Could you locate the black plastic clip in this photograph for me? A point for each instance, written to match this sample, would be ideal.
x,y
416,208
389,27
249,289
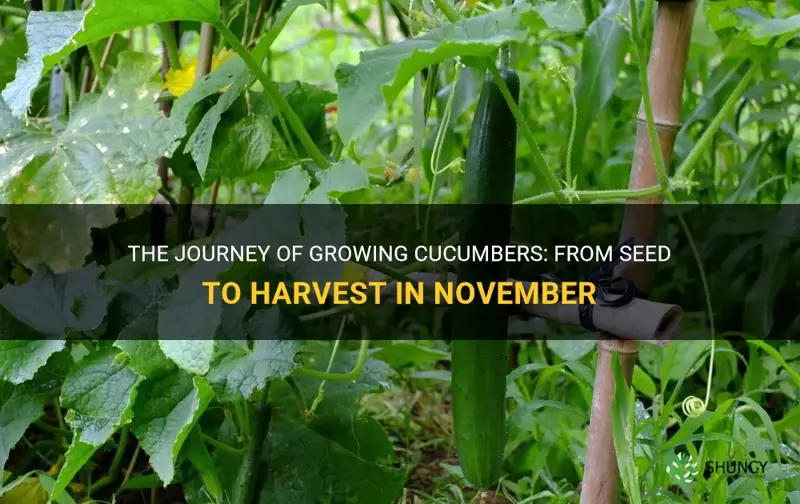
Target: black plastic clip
x,y
606,285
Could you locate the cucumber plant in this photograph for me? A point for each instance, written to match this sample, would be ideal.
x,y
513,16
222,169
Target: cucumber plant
x,y
151,122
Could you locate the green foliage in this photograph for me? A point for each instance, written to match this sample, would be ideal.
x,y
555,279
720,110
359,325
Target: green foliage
x,y
53,35
117,378
383,73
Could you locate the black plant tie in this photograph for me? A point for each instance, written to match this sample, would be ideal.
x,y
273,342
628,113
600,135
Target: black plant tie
x,y
606,284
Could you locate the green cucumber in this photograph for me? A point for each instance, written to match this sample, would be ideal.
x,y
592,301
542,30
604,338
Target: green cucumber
x,y
479,349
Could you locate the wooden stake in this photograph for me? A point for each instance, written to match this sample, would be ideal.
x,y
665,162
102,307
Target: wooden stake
x,y
666,73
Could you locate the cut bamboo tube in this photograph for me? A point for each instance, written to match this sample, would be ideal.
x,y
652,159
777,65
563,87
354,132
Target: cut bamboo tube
x,y
666,73
639,320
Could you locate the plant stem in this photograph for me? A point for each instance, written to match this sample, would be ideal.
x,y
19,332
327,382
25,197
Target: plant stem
x,y
350,375
204,57
245,33
167,33
258,22
206,52
251,473
115,462
541,162
382,18
13,11
212,206
448,10
130,468
324,313
222,446
99,76
599,195
321,390
274,95
707,137
52,429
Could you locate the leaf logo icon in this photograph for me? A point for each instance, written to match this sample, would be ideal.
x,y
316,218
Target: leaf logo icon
x,y
682,468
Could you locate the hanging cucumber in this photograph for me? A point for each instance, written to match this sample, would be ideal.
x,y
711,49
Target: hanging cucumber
x,y
479,349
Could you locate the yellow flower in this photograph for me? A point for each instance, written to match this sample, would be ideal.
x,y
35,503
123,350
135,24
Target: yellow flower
x,y
178,82
414,175
354,272
224,56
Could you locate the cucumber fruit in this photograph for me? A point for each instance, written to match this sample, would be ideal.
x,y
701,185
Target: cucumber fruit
x,y
479,348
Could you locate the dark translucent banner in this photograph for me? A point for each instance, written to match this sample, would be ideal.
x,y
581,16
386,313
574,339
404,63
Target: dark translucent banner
x,y
180,273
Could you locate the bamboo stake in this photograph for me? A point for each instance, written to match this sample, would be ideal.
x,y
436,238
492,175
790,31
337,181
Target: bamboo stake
x,y
103,62
205,56
166,105
666,72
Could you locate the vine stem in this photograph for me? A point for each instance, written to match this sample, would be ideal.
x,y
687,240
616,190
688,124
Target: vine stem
x,y
13,11
129,469
98,77
170,44
258,21
598,195
115,462
222,446
708,135
541,163
438,143
448,10
350,375
321,389
275,96
252,471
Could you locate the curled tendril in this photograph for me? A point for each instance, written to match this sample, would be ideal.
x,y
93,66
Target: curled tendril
x,y
693,406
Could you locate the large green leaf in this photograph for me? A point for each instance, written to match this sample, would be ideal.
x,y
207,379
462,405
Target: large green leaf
x,y
342,177
77,456
244,372
565,16
53,304
53,35
99,393
338,451
601,61
761,29
305,465
200,142
208,85
200,458
31,225
283,16
106,153
21,358
383,73
14,47
146,357
240,149
289,188
186,313
193,356
165,411
20,405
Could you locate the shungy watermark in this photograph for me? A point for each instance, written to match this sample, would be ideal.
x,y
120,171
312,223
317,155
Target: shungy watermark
x,y
682,468
736,467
